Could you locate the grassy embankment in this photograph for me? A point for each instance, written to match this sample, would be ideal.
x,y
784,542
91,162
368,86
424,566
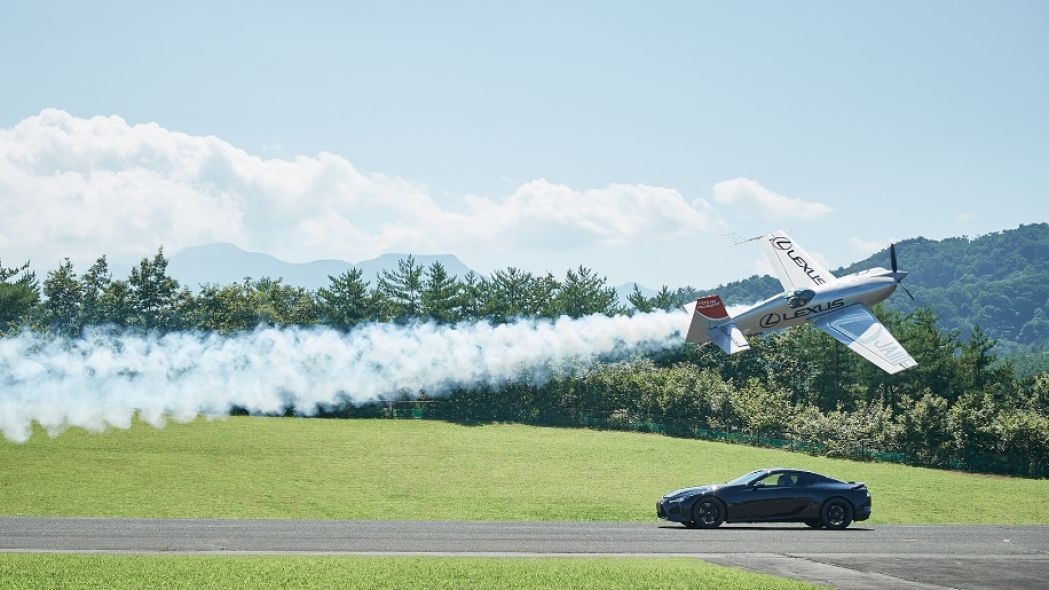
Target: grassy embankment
x,y
385,469
115,572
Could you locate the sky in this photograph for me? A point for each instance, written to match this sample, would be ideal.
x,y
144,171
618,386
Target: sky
x,y
638,139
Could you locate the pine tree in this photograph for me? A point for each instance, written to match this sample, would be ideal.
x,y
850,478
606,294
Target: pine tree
x,y
509,294
583,293
440,293
402,290
152,291
664,299
62,308
18,297
117,304
639,301
542,297
93,286
473,294
345,302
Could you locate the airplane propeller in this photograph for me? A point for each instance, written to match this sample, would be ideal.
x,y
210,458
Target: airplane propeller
x,y
899,281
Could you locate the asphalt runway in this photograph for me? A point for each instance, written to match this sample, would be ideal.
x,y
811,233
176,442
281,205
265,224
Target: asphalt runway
x,y
859,557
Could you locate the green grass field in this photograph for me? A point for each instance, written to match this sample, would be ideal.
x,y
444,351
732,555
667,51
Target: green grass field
x,y
390,469
21,571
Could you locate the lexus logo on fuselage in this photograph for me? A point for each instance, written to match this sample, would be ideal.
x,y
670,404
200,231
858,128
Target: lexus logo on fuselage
x,y
782,243
769,320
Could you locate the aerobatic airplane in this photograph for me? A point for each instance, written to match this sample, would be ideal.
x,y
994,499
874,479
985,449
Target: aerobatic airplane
x,y
836,305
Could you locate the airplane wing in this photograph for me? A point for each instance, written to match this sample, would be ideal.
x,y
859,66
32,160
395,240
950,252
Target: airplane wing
x,y
795,268
858,329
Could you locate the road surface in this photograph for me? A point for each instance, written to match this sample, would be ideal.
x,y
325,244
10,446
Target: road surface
x,y
859,557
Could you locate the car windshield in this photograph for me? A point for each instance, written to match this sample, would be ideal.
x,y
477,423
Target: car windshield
x,y
745,478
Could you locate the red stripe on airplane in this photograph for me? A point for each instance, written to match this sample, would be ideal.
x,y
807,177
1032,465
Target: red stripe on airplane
x,y
711,307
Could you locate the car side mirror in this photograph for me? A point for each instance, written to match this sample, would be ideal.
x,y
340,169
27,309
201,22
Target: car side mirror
x,y
757,484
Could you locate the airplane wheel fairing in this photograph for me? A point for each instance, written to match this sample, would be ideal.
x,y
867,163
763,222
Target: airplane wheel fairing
x,y
836,514
708,513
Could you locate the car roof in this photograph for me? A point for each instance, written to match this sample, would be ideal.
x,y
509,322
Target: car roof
x,y
782,469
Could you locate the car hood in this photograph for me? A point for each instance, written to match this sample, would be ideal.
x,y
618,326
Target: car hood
x,y
689,491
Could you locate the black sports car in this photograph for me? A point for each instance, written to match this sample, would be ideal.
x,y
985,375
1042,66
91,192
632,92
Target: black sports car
x,y
770,495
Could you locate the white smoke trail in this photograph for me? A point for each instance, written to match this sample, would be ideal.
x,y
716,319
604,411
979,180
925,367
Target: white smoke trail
x,y
104,379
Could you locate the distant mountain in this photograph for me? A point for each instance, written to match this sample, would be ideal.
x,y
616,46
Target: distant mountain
x,y
624,291
998,281
223,263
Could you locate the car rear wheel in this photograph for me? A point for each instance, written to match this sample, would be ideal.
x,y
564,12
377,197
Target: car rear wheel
x,y
708,513
814,524
836,514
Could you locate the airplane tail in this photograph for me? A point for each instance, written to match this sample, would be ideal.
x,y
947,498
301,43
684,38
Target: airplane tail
x,y
712,323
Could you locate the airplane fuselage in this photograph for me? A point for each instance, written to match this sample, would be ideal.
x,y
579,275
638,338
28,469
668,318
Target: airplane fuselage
x,y
792,308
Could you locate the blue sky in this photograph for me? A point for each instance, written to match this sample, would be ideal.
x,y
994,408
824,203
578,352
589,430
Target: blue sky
x,y
898,118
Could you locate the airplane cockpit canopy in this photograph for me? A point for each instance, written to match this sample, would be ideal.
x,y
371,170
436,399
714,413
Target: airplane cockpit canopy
x,y
799,298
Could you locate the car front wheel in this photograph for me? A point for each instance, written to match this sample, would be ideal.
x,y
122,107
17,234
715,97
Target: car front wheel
x,y
836,514
708,513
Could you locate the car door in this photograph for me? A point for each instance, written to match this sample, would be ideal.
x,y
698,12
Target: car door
x,y
764,498
796,494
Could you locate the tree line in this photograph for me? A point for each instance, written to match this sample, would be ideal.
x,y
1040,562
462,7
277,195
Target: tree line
x,y
961,404
149,299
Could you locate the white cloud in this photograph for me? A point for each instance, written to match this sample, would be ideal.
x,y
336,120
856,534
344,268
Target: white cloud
x,y
752,197
79,187
964,217
560,215
762,266
821,258
868,247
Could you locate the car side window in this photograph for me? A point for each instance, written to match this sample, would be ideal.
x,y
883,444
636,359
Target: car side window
x,y
805,479
777,480
765,481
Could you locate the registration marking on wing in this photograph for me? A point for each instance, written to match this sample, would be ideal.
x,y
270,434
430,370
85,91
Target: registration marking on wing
x,y
862,332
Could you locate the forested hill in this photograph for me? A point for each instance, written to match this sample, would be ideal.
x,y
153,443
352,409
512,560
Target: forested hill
x,y
998,281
